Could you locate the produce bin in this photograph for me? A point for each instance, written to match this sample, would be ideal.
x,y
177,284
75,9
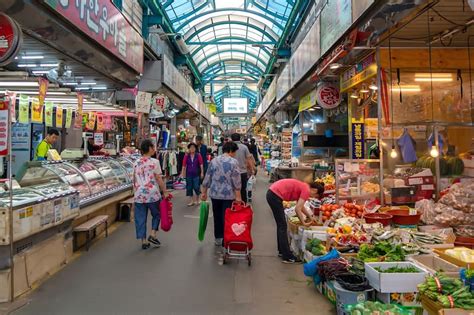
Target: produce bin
x,y
344,296
394,282
442,253
435,308
434,264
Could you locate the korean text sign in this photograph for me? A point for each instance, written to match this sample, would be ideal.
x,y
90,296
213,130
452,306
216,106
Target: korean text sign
x,y
358,140
103,22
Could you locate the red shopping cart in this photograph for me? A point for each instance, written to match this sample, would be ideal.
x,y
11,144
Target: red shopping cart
x,y
238,232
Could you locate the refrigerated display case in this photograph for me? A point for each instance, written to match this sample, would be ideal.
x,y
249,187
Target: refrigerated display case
x,y
357,179
94,178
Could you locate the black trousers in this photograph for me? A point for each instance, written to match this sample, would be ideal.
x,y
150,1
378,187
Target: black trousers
x,y
218,209
276,204
244,178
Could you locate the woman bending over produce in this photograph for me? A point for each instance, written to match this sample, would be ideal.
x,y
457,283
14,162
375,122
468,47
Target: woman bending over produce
x,y
291,190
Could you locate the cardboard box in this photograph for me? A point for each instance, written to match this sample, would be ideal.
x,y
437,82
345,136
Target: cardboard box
x,y
394,282
21,282
434,264
441,253
403,299
434,308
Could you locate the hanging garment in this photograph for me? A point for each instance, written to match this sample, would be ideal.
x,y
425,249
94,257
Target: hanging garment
x,y
173,162
407,147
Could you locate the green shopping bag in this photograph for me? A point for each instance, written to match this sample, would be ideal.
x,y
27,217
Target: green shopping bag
x,y
203,216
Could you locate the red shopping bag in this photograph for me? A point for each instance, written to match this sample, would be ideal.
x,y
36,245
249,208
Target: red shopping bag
x,y
238,227
166,213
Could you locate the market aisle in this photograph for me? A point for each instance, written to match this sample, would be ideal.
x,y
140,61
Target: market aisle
x,y
181,277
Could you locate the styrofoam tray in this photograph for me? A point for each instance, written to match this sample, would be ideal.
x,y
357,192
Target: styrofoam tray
x,y
394,282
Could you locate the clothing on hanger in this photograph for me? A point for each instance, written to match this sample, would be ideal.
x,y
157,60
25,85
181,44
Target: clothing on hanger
x,y
407,147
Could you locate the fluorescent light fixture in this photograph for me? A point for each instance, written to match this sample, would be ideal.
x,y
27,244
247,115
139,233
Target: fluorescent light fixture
x,y
48,65
40,71
70,83
312,109
176,110
88,83
26,65
286,122
406,88
83,88
306,125
36,92
335,66
32,57
18,83
435,77
99,88
434,80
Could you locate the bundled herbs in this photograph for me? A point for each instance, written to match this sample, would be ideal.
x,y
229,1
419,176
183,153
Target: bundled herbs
x,y
451,293
397,269
376,308
381,251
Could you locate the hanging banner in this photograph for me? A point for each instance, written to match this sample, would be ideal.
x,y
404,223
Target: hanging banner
x,y
12,96
43,89
36,111
48,114
358,135
68,118
107,122
159,101
143,102
212,108
91,121
125,116
24,109
100,122
59,117
78,118
307,101
4,127
328,96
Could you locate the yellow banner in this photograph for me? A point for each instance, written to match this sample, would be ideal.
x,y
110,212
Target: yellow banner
x,y
100,122
68,118
59,117
24,110
91,121
36,112
212,108
307,101
367,73
43,89
48,114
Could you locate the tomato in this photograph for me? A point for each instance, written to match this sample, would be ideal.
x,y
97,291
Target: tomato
x,y
359,213
327,213
324,218
335,207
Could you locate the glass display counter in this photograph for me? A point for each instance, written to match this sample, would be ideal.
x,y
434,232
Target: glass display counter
x,y
357,180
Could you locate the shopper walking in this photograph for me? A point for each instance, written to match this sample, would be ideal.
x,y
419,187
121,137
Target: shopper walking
x,y
202,149
223,183
220,145
291,190
193,171
255,151
147,183
246,164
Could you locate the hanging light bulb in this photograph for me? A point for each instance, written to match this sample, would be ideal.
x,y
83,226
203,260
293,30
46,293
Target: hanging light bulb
x,y
364,89
393,153
434,151
373,86
354,94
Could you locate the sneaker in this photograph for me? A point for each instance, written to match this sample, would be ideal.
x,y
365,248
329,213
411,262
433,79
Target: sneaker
x,y
292,260
218,241
190,204
154,241
280,255
146,246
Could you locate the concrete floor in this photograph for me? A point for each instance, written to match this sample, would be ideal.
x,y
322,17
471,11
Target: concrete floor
x,y
182,277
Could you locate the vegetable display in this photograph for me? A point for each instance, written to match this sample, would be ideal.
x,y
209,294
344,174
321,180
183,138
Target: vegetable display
x,y
449,292
315,247
329,269
381,251
369,308
397,269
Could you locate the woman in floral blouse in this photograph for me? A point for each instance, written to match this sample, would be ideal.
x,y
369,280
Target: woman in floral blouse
x,y
147,183
223,182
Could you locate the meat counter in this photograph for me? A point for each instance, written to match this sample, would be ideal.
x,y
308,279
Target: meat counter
x,y
95,178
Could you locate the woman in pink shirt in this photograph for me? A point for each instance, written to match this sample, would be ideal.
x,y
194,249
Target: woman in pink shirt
x,y
290,190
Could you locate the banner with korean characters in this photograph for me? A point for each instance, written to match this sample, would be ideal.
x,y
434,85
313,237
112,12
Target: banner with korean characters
x,y
12,96
24,109
143,102
107,122
358,139
68,117
106,25
4,127
59,117
100,122
36,111
78,118
90,125
48,114
43,89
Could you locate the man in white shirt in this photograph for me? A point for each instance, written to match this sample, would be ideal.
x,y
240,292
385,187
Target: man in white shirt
x,y
246,164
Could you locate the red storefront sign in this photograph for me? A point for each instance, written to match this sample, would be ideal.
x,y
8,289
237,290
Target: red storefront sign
x,y
4,127
10,39
104,23
328,96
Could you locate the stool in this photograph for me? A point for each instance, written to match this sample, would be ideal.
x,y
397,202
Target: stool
x,y
89,226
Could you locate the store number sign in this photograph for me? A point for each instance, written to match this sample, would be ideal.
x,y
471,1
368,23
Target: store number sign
x,y
105,24
358,149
